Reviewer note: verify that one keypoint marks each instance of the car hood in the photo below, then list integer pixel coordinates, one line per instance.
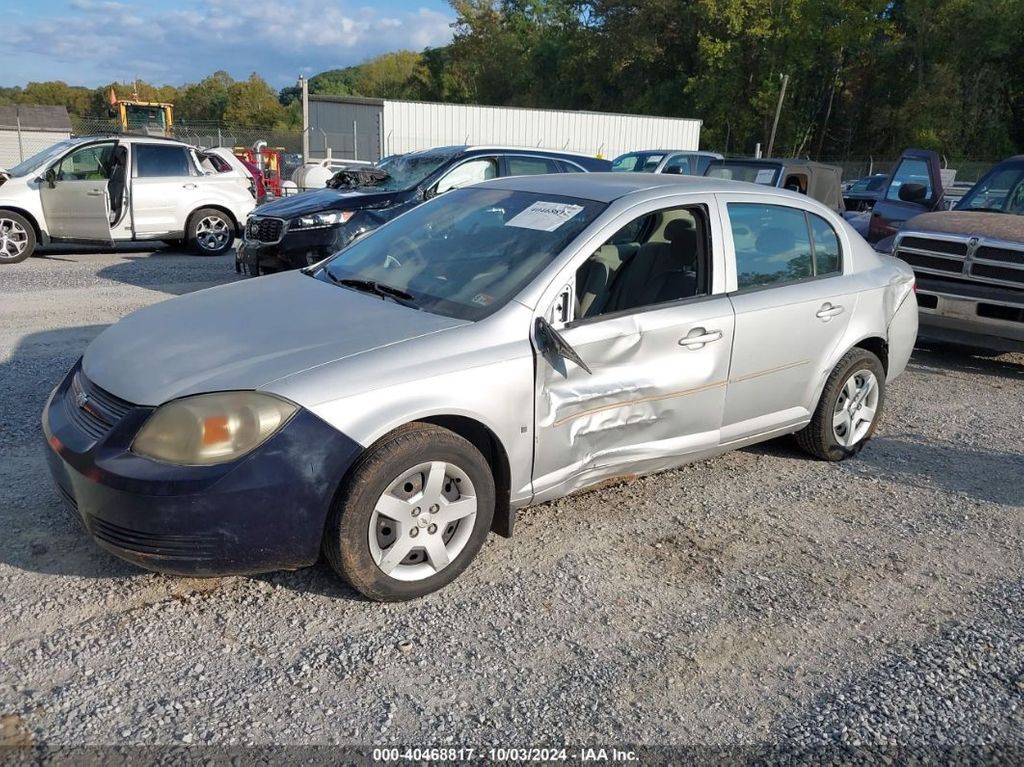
(245, 335)
(330, 199)
(999, 226)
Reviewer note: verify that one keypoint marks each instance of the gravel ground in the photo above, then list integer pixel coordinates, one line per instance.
(758, 598)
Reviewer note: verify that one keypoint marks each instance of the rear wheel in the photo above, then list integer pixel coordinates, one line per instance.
(413, 515)
(849, 409)
(210, 232)
(17, 237)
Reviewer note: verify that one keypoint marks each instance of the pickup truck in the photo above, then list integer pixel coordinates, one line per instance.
(817, 180)
(969, 261)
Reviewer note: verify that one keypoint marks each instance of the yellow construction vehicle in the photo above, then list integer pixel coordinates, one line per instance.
(155, 118)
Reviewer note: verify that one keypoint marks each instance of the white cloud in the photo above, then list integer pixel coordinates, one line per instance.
(101, 40)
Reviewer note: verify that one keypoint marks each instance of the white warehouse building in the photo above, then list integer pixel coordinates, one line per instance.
(27, 129)
(354, 128)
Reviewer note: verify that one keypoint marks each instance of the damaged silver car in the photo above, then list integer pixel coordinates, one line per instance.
(500, 346)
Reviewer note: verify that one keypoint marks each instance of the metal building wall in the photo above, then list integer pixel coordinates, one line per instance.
(412, 125)
(349, 126)
(16, 145)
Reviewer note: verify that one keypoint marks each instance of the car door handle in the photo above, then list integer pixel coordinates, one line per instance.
(95, 192)
(698, 337)
(827, 312)
(188, 186)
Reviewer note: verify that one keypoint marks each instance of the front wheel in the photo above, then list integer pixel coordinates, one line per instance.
(210, 232)
(17, 237)
(849, 409)
(413, 514)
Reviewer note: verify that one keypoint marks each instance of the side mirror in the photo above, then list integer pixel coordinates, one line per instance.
(428, 193)
(554, 347)
(50, 177)
(913, 192)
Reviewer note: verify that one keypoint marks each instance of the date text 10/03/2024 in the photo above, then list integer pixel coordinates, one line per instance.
(502, 754)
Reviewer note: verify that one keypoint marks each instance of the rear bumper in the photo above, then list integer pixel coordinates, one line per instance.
(263, 512)
(972, 315)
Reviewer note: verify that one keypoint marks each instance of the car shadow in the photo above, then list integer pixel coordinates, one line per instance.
(936, 358)
(195, 273)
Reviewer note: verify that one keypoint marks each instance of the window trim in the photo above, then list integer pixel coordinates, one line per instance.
(815, 277)
(709, 249)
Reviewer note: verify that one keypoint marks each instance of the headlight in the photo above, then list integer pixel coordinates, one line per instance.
(321, 220)
(211, 428)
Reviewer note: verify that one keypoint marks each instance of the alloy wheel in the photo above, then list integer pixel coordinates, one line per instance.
(212, 233)
(13, 239)
(855, 408)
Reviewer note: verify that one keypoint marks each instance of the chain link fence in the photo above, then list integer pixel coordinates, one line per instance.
(205, 133)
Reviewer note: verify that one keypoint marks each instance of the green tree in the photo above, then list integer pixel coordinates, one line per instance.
(253, 102)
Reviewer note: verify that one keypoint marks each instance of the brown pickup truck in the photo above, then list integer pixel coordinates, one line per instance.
(969, 261)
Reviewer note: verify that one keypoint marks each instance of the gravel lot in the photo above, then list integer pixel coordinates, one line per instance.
(757, 598)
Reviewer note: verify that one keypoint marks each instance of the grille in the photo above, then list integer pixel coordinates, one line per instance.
(264, 229)
(151, 545)
(92, 409)
(994, 262)
(936, 246)
(990, 253)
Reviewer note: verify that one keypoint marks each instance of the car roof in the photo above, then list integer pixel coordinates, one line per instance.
(127, 137)
(608, 187)
(466, 148)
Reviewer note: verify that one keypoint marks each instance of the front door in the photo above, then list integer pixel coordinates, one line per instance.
(646, 315)
(914, 187)
(77, 205)
(791, 313)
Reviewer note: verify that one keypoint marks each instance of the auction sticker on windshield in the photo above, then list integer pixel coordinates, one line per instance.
(544, 216)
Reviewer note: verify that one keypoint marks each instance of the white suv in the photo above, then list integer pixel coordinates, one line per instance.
(120, 188)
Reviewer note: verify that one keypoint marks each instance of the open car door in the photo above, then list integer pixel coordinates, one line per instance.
(75, 193)
(914, 186)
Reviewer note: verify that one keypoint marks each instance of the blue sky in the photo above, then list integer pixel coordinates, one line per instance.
(93, 42)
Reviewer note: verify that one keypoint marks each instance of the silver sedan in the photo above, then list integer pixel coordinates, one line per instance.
(500, 346)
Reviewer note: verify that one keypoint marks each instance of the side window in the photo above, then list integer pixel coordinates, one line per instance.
(90, 163)
(772, 244)
(654, 259)
(568, 167)
(161, 161)
(680, 164)
(529, 166)
(910, 171)
(827, 259)
(468, 173)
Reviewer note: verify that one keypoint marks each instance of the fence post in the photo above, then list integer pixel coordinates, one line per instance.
(21, 148)
(355, 140)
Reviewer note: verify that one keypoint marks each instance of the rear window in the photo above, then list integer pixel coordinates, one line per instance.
(161, 161)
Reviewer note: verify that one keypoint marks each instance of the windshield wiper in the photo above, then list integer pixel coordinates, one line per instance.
(370, 286)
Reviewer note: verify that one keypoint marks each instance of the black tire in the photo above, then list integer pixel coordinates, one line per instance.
(200, 242)
(818, 438)
(346, 537)
(17, 237)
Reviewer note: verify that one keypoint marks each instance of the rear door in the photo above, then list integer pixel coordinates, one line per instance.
(914, 186)
(792, 307)
(165, 188)
(77, 206)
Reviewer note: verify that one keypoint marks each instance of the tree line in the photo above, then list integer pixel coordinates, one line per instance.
(865, 77)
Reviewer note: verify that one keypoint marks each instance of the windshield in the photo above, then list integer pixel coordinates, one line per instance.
(1001, 189)
(637, 162)
(465, 254)
(40, 158)
(407, 171)
(755, 173)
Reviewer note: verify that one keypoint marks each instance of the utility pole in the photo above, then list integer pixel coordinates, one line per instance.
(304, 86)
(778, 111)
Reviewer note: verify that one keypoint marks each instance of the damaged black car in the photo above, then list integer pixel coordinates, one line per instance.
(294, 232)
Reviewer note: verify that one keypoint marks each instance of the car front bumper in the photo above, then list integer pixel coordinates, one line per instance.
(983, 316)
(294, 251)
(263, 512)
